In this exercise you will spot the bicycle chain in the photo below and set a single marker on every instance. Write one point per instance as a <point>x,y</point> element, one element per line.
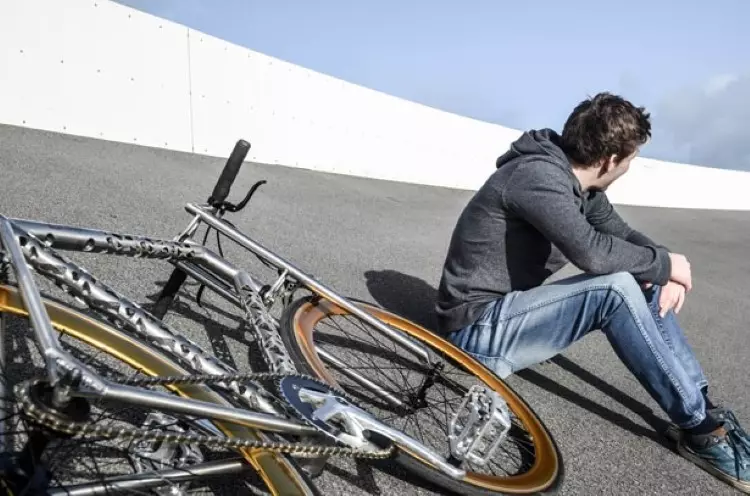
<point>51,421</point>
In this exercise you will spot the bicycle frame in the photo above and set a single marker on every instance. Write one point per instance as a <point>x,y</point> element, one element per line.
<point>75,377</point>
<point>32,243</point>
<point>215,272</point>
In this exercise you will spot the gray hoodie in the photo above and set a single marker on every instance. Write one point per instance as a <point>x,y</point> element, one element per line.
<point>525,223</point>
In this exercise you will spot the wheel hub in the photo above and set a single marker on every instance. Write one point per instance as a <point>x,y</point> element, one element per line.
<point>22,473</point>
<point>75,409</point>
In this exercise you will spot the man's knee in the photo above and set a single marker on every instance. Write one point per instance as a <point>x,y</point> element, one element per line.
<point>625,284</point>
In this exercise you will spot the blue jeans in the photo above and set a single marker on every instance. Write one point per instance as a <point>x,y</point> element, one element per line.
<point>527,327</point>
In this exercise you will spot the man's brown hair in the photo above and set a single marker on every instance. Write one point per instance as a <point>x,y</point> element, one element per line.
<point>604,125</point>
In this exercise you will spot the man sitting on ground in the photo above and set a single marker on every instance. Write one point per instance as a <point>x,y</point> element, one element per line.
<point>546,205</point>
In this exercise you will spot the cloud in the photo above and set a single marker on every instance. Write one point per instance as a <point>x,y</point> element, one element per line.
<point>707,124</point>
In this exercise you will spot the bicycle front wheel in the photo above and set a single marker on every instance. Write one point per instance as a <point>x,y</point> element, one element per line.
<point>416,398</point>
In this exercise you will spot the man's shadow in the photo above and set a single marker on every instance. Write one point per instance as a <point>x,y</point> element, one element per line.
<point>414,299</point>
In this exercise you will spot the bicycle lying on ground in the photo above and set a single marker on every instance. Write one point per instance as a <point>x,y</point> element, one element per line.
<point>135,395</point>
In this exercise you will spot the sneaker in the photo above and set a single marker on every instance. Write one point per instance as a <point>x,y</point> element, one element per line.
<point>727,456</point>
<point>723,415</point>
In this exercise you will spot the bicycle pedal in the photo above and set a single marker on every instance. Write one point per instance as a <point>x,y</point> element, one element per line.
<point>479,425</point>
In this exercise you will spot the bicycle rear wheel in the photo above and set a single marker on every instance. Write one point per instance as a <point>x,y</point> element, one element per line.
<point>112,352</point>
<point>331,353</point>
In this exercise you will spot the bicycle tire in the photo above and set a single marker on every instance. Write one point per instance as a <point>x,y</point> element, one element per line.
<point>295,333</point>
<point>280,472</point>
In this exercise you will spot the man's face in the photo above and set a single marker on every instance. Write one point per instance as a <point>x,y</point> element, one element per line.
<point>611,170</point>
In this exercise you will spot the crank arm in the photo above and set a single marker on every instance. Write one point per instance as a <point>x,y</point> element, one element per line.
<point>331,409</point>
<point>407,443</point>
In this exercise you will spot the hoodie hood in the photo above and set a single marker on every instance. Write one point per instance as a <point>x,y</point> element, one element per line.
<point>539,144</point>
<point>544,142</point>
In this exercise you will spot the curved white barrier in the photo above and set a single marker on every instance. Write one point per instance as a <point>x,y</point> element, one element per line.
<point>97,68</point>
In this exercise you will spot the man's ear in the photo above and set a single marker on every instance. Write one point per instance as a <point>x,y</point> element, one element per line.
<point>610,163</point>
<point>606,164</point>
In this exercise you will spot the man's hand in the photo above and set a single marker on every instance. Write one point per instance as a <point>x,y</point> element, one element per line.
<point>672,297</point>
<point>681,273</point>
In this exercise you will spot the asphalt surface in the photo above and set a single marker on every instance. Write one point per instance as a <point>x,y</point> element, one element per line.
<point>385,242</point>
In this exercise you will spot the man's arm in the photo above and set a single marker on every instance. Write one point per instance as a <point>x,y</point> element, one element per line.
<point>603,216</point>
<point>541,193</point>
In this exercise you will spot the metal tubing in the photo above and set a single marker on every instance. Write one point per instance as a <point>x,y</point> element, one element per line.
<point>212,282</point>
<point>71,238</point>
<point>206,278</point>
<point>308,281</point>
<point>3,364</point>
<point>144,325</point>
<point>216,264</point>
<point>40,321</point>
<point>362,380</point>
<point>154,479</point>
<point>167,402</point>
<point>189,230</point>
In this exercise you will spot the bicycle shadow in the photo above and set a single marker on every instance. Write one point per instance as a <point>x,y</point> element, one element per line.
<point>413,298</point>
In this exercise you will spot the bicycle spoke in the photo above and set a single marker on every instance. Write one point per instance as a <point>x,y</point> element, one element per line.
<point>382,361</point>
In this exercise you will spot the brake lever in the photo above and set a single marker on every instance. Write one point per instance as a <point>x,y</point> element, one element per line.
<point>229,207</point>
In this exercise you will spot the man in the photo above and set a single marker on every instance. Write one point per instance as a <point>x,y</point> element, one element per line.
<point>546,205</point>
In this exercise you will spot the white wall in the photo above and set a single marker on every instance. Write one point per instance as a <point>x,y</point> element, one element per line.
<point>97,68</point>
<point>94,68</point>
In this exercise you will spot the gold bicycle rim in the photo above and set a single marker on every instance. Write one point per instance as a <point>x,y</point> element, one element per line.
<point>274,469</point>
<point>546,464</point>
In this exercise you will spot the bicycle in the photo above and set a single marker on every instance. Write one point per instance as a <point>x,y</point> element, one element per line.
<point>282,422</point>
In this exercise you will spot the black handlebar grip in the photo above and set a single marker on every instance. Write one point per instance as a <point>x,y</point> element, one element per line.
<point>232,167</point>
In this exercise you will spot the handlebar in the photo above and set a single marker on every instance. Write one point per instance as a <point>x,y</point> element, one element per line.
<point>228,175</point>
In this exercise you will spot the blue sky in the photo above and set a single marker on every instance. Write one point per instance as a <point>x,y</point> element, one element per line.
<point>519,63</point>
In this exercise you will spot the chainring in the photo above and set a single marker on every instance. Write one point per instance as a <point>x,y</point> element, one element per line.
<point>291,386</point>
